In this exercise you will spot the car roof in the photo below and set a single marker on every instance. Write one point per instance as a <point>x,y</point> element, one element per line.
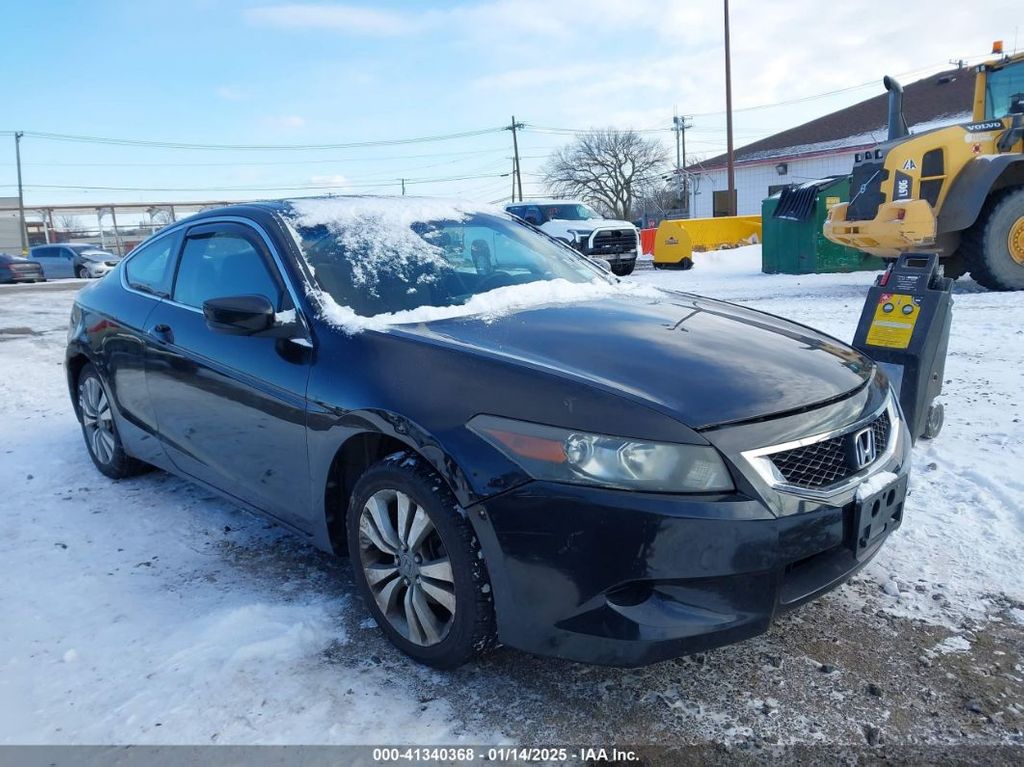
<point>547,201</point>
<point>283,205</point>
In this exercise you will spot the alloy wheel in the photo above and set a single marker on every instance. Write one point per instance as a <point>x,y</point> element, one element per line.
<point>407,567</point>
<point>97,420</point>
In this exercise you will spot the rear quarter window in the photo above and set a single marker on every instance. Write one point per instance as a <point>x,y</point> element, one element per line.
<point>151,267</point>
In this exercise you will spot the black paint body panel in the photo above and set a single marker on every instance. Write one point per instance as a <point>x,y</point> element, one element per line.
<point>261,420</point>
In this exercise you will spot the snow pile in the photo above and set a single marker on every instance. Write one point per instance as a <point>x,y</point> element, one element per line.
<point>490,305</point>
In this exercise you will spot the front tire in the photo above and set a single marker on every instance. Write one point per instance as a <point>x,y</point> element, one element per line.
<point>623,270</point>
<point>994,246</point>
<point>418,564</point>
<point>80,272</point>
<point>96,416</point>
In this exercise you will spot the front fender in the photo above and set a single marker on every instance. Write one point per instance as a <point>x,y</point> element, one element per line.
<point>972,187</point>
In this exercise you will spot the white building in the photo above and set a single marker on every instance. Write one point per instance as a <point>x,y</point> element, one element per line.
<point>10,229</point>
<point>825,146</point>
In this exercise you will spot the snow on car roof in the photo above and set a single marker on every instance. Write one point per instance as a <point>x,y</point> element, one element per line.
<point>547,202</point>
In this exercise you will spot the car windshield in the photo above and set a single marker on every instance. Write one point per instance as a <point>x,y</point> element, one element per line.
<point>1004,90</point>
<point>568,212</point>
<point>385,258</point>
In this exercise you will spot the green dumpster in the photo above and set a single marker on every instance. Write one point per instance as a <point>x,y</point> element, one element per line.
<point>792,242</point>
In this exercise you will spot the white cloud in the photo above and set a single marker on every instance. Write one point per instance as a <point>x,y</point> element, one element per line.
<point>352,19</point>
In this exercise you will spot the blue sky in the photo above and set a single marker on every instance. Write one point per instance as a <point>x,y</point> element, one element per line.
<point>292,74</point>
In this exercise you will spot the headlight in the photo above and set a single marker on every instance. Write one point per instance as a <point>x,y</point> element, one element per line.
<point>564,455</point>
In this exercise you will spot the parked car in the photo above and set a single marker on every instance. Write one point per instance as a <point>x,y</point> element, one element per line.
<point>517,448</point>
<point>68,260</point>
<point>577,225</point>
<point>18,269</point>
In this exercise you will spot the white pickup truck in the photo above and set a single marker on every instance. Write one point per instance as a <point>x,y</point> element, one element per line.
<point>571,221</point>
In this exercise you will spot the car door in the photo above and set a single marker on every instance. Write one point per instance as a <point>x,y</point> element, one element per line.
<point>65,262</point>
<point>46,255</point>
<point>231,409</point>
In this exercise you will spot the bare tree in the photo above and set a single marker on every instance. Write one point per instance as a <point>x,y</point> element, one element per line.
<point>607,167</point>
<point>65,222</point>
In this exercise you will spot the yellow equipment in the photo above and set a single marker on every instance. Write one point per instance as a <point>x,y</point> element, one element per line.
<point>676,240</point>
<point>956,191</point>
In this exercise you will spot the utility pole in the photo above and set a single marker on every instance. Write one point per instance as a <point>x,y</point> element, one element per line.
<point>403,186</point>
<point>21,197</point>
<point>680,125</point>
<point>728,118</point>
<point>515,150</point>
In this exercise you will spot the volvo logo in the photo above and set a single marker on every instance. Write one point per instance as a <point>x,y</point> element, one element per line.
<point>864,450</point>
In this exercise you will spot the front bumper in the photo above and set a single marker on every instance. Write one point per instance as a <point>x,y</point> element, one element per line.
<point>896,228</point>
<point>100,269</point>
<point>626,579</point>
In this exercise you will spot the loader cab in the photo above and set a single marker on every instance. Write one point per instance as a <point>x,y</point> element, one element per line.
<point>999,89</point>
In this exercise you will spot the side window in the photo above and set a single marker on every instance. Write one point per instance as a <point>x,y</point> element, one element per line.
<point>225,263</point>
<point>41,253</point>
<point>149,268</point>
<point>66,253</point>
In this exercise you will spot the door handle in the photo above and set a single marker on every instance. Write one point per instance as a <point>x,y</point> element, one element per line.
<point>162,332</point>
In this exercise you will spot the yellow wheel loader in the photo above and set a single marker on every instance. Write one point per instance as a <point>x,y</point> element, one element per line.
<point>956,191</point>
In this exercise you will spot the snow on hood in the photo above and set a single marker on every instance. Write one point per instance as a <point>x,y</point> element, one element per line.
<point>379,230</point>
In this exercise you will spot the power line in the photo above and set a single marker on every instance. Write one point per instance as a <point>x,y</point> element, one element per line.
<point>269,188</point>
<point>253,147</point>
<point>253,163</point>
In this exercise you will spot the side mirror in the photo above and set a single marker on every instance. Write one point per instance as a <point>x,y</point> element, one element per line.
<point>600,263</point>
<point>238,315</point>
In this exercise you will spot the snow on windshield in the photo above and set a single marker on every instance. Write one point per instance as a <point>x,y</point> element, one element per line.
<point>378,233</point>
<point>386,236</point>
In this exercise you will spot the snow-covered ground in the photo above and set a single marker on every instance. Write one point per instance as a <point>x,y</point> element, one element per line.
<point>147,611</point>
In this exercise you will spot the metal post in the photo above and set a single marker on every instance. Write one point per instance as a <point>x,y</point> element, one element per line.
<point>403,187</point>
<point>99,221</point>
<point>728,118</point>
<point>117,236</point>
<point>48,217</point>
<point>515,150</point>
<point>21,197</point>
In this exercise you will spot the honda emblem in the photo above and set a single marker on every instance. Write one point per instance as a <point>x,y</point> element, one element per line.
<point>864,450</point>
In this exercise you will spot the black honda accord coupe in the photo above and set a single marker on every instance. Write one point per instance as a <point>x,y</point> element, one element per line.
<point>510,444</point>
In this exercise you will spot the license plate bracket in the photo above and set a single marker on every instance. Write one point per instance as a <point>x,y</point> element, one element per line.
<point>877,515</point>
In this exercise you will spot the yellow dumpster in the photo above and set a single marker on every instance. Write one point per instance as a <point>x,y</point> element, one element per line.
<point>677,240</point>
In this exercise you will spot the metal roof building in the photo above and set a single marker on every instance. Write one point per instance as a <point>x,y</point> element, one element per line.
<point>825,146</point>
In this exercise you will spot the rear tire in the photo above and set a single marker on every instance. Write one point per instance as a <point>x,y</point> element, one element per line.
<point>431,594</point>
<point>96,416</point>
<point>994,246</point>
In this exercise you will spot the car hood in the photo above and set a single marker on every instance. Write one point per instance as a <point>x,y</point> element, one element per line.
<point>700,361</point>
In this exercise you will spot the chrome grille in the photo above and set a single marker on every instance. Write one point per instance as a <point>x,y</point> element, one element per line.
<point>827,462</point>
